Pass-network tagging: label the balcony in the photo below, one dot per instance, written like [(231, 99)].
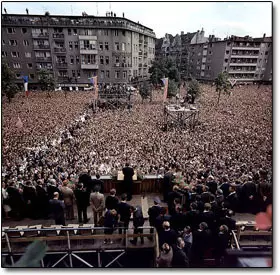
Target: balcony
[(88, 51), (242, 64), (41, 47), (40, 35), (117, 65), (39, 67), (241, 72), (89, 66), (140, 65), (145, 54), (58, 36), (87, 37), (59, 50), (145, 42), (63, 79), (43, 59), (145, 65), (140, 41), (61, 65), (140, 52), (243, 56)]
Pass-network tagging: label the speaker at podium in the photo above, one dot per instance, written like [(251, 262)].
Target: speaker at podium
[(121, 176)]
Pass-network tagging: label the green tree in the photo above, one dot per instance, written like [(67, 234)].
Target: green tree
[(172, 88), (145, 90), (163, 68), (46, 81), (222, 84), (9, 88), (194, 89)]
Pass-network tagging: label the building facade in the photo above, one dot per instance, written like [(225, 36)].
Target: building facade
[(75, 48), (246, 59)]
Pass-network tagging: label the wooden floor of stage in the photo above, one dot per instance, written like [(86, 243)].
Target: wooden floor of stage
[(144, 202)]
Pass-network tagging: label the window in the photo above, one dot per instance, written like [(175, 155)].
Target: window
[(3, 42), (89, 32), (4, 54), (266, 53), (116, 33), (117, 74), (15, 54), (75, 32), (88, 59), (69, 32), (16, 65), (208, 67), (107, 60), (11, 30), (78, 73), (71, 45), (101, 46), (73, 73), (124, 74), (13, 42), (71, 59), (28, 55), (24, 30), (76, 44), (102, 75), (101, 60), (25, 43), (106, 32), (226, 60), (31, 76), (77, 59), (29, 65), (210, 52), (117, 59), (123, 33), (117, 46), (18, 76), (106, 46), (108, 74), (123, 47), (227, 52)]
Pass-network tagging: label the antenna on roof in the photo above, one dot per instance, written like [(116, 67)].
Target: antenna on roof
[(97, 7), (110, 8)]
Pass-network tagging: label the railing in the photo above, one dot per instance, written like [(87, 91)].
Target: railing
[(41, 47), (58, 36), (40, 35), (45, 59), (61, 65), (59, 50), (72, 239)]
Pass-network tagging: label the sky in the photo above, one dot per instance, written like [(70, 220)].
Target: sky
[(219, 18)]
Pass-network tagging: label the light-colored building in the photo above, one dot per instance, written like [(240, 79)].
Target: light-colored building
[(75, 48)]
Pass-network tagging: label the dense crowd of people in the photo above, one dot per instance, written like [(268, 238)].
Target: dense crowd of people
[(223, 166)]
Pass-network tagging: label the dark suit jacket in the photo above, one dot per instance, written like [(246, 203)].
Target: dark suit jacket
[(57, 209), (209, 218), (138, 219), (229, 222), (159, 220), (100, 183), (213, 186), (179, 258), (167, 237), (124, 211), (192, 219), (128, 174), (111, 202), (154, 212), (225, 187), (82, 198)]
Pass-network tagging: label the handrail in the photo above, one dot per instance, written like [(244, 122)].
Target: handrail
[(235, 239)]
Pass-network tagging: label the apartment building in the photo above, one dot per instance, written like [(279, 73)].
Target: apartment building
[(75, 48), (246, 59)]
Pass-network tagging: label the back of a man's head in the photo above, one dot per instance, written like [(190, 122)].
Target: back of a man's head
[(113, 192), (165, 248), (207, 206), (96, 188), (166, 225), (55, 195), (98, 176), (180, 242), (123, 197), (127, 164)]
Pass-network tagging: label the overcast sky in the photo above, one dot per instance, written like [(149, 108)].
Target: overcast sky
[(220, 19)]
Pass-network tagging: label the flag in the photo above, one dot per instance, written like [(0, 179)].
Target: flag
[(25, 84), (165, 83), (93, 81), (19, 123)]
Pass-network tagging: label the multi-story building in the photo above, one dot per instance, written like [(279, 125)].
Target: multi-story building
[(246, 59), (75, 48)]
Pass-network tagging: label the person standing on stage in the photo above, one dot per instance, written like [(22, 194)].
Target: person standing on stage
[(128, 174)]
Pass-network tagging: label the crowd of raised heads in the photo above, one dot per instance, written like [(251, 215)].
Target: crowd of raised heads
[(233, 139)]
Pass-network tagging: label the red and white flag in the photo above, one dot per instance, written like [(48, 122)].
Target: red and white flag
[(19, 123)]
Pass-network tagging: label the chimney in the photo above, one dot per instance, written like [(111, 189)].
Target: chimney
[(264, 35), (182, 33)]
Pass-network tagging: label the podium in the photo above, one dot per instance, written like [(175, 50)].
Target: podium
[(121, 176)]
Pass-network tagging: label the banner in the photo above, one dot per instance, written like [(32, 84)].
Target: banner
[(93, 81), (165, 83), (25, 84)]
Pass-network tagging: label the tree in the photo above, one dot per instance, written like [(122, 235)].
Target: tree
[(46, 81), (145, 90), (163, 68), (194, 89), (9, 87), (222, 84), (172, 88)]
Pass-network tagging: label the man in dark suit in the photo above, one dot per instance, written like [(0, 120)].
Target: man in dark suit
[(98, 182), (248, 195), (112, 201), (57, 209), (192, 217), (167, 235), (42, 200), (138, 221), (167, 184), (179, 256), (154, 212), (174, 194), (225, 186), (228, 220), (208, 216), (87, 182), (128, 173), (124, 212), (161, 218), (231, 201), (82, 200)]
